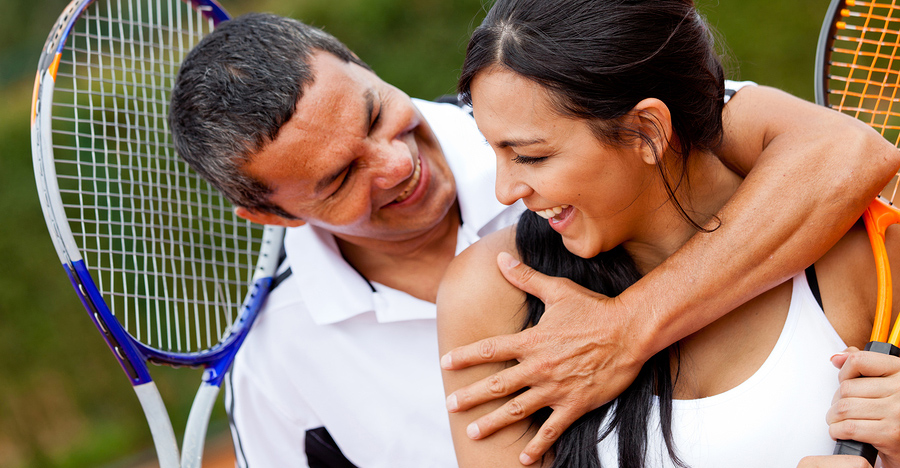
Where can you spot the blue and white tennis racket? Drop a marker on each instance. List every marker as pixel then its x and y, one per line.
pixel 166 271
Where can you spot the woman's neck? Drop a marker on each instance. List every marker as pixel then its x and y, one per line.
pixel 702 192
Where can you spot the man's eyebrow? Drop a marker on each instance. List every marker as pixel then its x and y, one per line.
pixel 370 106
pixel 325 182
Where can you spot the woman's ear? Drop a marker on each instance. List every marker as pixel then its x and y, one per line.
pixel 654 122
pixel 261 217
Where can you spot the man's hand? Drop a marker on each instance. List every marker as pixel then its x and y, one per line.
pixel 575 360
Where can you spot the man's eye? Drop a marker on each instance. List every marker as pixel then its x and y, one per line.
pixel 519 159
pixel 343 178
pixel 375 121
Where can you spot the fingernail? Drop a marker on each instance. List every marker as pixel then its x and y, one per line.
pixel 472 431
pixel 446 361
pixel 834 356
pixel 452 403
pixel 525 459
pixel 508 260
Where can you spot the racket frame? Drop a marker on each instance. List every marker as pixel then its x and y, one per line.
pixel 131 354
pixel 878 216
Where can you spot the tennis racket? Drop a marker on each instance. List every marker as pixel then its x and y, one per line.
pixel 165 270
pixel 858 73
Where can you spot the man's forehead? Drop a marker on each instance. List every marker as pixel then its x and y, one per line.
pixel 336 84
pixel 330 116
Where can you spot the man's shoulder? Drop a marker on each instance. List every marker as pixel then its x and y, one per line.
pixel 442 113
pixel 284 316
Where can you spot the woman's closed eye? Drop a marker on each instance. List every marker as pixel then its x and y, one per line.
pixel 519 159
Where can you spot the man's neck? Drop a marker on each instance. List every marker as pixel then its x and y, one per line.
pixel 415 267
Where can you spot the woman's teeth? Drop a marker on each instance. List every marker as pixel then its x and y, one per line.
pixel 412 183
pixel 551 212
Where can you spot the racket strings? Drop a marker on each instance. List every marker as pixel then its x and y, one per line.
pixel 863 73
pixel 172 259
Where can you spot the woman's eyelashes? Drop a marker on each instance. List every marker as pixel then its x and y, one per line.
pixel 519 159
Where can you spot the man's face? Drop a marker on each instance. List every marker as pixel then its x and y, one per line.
pixel 357 159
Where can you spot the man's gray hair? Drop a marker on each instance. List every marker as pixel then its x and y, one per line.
pixel 235 90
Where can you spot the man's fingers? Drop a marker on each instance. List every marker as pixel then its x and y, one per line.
pixel 516 409
pixel 498 385
pixel 525 278
pixel 499 348
pixel 552 428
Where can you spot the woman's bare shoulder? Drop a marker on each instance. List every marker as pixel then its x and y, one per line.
pixel 846 276
pixel 474 300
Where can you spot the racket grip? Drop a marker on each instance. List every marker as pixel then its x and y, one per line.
pixel 852 447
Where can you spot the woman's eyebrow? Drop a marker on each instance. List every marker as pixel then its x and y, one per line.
pixel 519 142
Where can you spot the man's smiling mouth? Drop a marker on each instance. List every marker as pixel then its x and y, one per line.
pixel 411 186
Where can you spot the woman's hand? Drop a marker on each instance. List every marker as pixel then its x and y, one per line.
pixel 866 406
pixel 834 461
pixel 575 360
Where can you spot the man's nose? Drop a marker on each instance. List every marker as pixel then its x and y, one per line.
pixel 393 163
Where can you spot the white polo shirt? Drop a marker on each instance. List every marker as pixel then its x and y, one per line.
pixel 361 359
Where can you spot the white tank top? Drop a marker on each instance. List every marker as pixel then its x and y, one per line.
pixel 774 418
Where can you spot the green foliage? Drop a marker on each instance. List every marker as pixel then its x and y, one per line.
pixel 63 400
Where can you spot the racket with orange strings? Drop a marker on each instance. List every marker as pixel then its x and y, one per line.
pixel 858 73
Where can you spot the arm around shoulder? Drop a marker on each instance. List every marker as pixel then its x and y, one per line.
pixel 810 173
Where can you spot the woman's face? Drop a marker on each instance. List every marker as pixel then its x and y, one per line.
pixel 595 195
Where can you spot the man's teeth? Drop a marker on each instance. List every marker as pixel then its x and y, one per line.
pixel 412 183
pixel 551 212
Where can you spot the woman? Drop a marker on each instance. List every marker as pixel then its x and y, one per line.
pixel 605 117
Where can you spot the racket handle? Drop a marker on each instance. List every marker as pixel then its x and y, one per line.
pixel 852 447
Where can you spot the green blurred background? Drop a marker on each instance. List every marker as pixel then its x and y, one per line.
pixel 63 400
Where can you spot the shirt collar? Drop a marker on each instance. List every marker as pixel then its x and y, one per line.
pixel 334 291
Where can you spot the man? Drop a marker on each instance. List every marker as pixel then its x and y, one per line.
pixel 381 192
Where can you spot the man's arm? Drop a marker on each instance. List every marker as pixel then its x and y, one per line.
pixel 810 174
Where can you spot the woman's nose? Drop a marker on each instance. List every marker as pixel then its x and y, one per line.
pixel 508 187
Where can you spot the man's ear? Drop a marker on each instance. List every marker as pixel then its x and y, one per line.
pixel 654 121
pixel 261 217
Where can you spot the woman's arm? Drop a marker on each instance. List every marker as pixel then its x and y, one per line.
pixel 475 302
pixel 813 173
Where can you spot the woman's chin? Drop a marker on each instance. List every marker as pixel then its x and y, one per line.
pixel 581 249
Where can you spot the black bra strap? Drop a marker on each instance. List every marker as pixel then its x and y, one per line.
pixel 814 284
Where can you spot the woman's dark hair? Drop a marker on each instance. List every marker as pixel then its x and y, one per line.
pixel 609 273
pixel 598 59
